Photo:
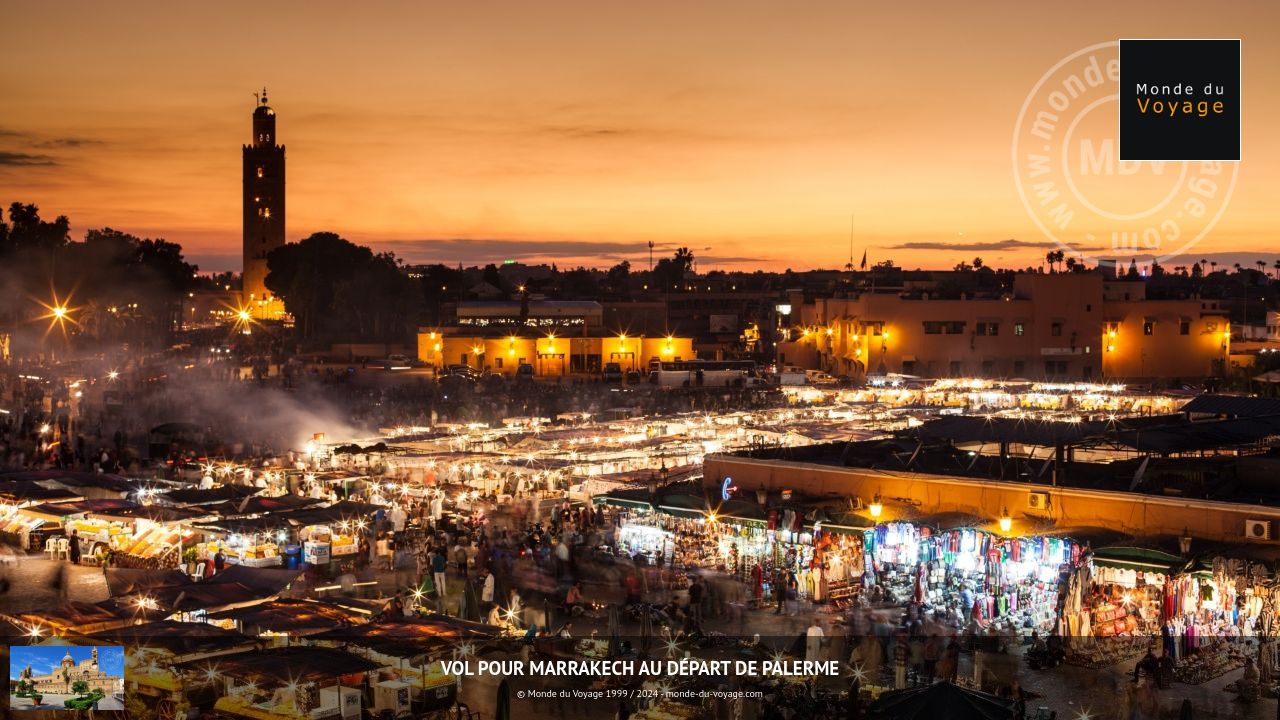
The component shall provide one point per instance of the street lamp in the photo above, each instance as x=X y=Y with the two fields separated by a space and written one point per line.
x=1006 y=522
x=876 y=507
x=1184 y=543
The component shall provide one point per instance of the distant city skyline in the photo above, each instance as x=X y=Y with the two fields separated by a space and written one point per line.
x=576 y=133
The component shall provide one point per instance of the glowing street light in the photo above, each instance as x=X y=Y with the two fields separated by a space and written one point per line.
x=1006 y=522
x=876 y=507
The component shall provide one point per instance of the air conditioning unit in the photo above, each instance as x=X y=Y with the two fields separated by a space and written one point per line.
x=1038 y=500
x=1257 y=529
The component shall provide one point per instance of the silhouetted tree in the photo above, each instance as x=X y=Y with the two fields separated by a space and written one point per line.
x=669 y=273
x=337 y=289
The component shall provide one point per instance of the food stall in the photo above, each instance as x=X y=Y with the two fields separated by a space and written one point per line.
x=153 y=649
x=325 y=543
x=97 y=533
x=22 y=530
x=252 y=542
x=158 y=534
x=409 y=652
x=289 y=682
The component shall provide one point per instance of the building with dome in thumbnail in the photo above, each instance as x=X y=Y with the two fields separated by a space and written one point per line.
x=68 y=672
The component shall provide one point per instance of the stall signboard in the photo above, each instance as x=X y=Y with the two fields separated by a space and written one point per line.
x=315 y=553
x=348 y=548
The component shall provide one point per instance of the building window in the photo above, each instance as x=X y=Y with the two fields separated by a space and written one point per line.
x=1019 y=329
x=259 y=171
x=1148 y=328
x=1019 y=368
x=908 y=367
x=1184 y=327
x=987 y=329
x=955 y=368
x=943 y=327
x=497 y=362
x=1056 y=329
x=1088 y=307
x=988 y=368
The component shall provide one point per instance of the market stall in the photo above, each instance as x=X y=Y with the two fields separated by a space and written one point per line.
x=968 y=574
x=158 y=535
x=409 y=652
x=292 y=682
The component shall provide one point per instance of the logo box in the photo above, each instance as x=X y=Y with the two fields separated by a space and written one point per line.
x=1180 y=99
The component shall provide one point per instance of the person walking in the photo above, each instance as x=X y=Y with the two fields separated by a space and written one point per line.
x=486 y=590
x=813 y=642
x=439 y=564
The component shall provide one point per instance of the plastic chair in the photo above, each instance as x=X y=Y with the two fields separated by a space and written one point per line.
x=64 y=548
x=199 y=573
x=51 y=546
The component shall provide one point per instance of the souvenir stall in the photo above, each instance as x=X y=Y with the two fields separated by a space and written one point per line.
x=1208 y=609
x=1014 y=579
x=1112 y=607
x=650 y=536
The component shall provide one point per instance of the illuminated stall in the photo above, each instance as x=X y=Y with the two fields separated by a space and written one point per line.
x=410 y=653
x=291 y=682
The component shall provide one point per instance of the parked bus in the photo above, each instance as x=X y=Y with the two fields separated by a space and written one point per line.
x=705 y=373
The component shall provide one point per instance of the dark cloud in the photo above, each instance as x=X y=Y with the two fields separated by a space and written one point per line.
x=586 y=132
x=68 y=142
x=17 y=159
x=980 y=246
x=593 y=253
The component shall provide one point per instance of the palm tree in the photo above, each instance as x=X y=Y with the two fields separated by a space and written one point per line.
x=1277 y=267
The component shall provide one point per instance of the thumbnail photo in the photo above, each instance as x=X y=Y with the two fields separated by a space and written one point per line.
x=65 y=677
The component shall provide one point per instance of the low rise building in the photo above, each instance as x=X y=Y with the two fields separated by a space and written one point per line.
x=1070 y=326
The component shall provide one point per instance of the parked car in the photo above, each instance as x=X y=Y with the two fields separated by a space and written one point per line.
x=612 y=372
x=524 y=373
x=463 y=371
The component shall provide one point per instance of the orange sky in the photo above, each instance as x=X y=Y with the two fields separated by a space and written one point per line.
x=579 y=131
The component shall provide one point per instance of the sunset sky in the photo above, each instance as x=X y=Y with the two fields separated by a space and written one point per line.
x=577 y=132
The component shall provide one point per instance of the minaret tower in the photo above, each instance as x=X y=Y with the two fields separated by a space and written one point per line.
x=263 y=210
